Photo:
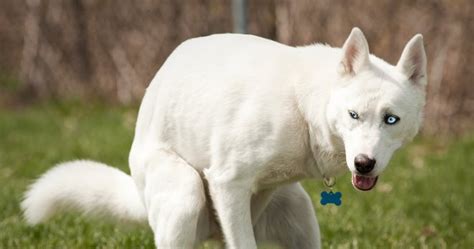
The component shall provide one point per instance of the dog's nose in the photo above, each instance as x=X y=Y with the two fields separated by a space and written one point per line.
x=364 y=164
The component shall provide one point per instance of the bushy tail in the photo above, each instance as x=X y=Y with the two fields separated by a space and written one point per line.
x=87 y=186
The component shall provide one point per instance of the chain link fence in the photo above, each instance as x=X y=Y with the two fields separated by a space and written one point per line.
x=108 y=50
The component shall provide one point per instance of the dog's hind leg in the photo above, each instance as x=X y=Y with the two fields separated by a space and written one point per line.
x=289 y=220
x=175 y=200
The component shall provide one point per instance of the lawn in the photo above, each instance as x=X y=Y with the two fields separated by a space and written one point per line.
x=425 y=198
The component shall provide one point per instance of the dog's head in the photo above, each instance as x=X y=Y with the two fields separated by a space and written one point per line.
x=375 y=107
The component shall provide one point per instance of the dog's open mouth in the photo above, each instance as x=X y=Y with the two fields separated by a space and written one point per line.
x=364 y=183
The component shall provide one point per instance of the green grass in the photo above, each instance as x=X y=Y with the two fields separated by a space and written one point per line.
x=425 y=199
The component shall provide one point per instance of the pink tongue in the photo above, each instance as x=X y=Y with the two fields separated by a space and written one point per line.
x=363 y=183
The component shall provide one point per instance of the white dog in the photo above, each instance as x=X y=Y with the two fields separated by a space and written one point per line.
x=228 y=127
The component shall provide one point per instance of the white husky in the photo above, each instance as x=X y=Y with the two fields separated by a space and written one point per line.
x=231 y=123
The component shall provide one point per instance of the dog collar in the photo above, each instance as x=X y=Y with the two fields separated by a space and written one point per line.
x=329 y=181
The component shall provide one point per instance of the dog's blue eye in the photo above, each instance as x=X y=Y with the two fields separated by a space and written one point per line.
x=354 y=114
x=391 y=119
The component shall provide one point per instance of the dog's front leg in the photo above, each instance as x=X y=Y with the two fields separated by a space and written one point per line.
x=231 y=199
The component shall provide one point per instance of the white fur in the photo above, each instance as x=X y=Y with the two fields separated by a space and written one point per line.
x=229 y=120
x=88 y=186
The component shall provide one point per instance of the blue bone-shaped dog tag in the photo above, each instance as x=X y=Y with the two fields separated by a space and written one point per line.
x=331 y=197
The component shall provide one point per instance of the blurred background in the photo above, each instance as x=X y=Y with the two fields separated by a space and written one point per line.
x=83 y=49
x=72 y=74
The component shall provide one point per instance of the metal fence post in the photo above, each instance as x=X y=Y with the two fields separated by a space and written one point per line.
x=239 y=15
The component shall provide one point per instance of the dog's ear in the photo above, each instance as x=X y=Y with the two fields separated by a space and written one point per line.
x=412 y=63
x=355 y=53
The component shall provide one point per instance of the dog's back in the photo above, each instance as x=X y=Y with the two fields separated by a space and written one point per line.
x=200 y=101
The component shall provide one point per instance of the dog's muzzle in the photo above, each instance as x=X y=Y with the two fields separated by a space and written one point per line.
x=360 y=179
